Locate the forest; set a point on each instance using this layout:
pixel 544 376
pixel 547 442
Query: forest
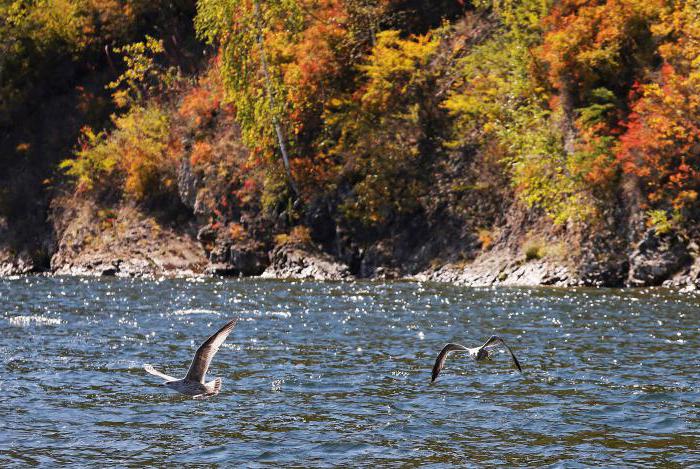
pixel 393 135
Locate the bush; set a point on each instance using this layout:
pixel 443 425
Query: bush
pixel 136 157
pixel 533 250
pixel 299 235
pixel 486 238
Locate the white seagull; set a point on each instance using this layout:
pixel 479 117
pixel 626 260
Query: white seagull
pixel 193 383
pixel 477 353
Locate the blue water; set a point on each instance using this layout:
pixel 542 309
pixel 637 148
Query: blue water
pixel 320 374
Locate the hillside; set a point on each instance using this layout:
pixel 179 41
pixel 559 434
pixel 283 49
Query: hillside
pixel 480 143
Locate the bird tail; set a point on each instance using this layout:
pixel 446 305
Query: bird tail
pixel 217 386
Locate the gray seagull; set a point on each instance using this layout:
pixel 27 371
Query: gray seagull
pixel 477 353
pixel 193 384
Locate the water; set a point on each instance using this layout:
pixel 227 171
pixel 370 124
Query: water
pixel 338 374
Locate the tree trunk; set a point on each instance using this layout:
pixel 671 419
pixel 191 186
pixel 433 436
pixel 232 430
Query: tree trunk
pixel 271 98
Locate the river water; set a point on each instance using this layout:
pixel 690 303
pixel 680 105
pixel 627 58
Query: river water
pixel 321 374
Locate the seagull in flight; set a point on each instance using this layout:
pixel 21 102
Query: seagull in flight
pixel 477 353
pixel 193 384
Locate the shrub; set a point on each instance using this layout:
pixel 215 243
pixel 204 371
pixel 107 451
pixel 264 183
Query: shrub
pixel 136 157
pixel 660 221
pixel 533 250
pixel 299 235
pixel 486 238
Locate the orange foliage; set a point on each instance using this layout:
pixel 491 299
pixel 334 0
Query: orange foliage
pixel 662 141
pixel 202 102
pixel 587 39
pixel 201 153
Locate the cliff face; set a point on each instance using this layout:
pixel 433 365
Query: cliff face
pixel 442 142
pixel 445 243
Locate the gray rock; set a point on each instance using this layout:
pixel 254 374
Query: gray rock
pixel 187 183
pixel 17 266
pixel 500 268
pixel 657 258
pixel 239 261
pixel 304 262
pixel 207 234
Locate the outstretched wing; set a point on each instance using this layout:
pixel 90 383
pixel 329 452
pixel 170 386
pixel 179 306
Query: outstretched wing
pixel 442 356
pixel 205 353
pixel 157 373
pixel 494 342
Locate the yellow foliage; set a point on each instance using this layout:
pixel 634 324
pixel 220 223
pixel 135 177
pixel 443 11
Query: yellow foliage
pixel 137 156
pixel 299 235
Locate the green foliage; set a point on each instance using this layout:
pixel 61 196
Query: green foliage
pixel 235 26
pixel 498 102
pixel 603 104
pixel 534 250
pixel 34 36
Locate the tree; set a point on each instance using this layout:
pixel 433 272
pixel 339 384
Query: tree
pixel 241 29
pixel 661 144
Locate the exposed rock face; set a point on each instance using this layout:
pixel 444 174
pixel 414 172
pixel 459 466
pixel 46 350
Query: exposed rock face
pixel 657 258
pixel 304 262
pixel 240 259
pixel 15 265
pixel 122 242
pixel 604 261
pixel 498 268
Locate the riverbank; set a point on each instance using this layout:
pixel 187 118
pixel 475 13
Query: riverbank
pixel 128 243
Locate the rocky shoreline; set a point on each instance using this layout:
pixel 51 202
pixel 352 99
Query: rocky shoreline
pixel 664 265
pixel 126 241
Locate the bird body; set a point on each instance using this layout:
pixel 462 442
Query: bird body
pixel 194 383
pixel 484 352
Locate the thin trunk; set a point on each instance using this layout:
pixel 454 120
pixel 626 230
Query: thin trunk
pixel 568 114
pixel 271 97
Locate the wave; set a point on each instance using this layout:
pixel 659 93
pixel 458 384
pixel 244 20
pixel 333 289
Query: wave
pixel 24 321
pixel 184 312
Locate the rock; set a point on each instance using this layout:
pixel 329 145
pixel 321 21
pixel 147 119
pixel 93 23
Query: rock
pixel 304 262
pixel 221 269
pixel 220 253
pixel 132 244
pixel 241 261
pixel 248 261
pixel 188 183
pixel 377 255
pixel 16 266
pixel 657 258
pixel 207 234
pixel 109 271
pixel 499 268
pixel 605 273
pixel 386 273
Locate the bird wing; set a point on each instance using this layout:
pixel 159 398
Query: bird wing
pixel 442 356
pixel 157 373
pixel 205 353
pixel 494 341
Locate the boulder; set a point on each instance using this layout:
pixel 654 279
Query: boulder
pixel 657 258
pixel 304 262
pixel 242 260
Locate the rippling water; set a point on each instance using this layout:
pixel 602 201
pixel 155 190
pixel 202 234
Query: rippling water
pixel 319 374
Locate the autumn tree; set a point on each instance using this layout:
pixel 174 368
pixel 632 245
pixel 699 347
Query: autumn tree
pixel 661 144
pixel 381 131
